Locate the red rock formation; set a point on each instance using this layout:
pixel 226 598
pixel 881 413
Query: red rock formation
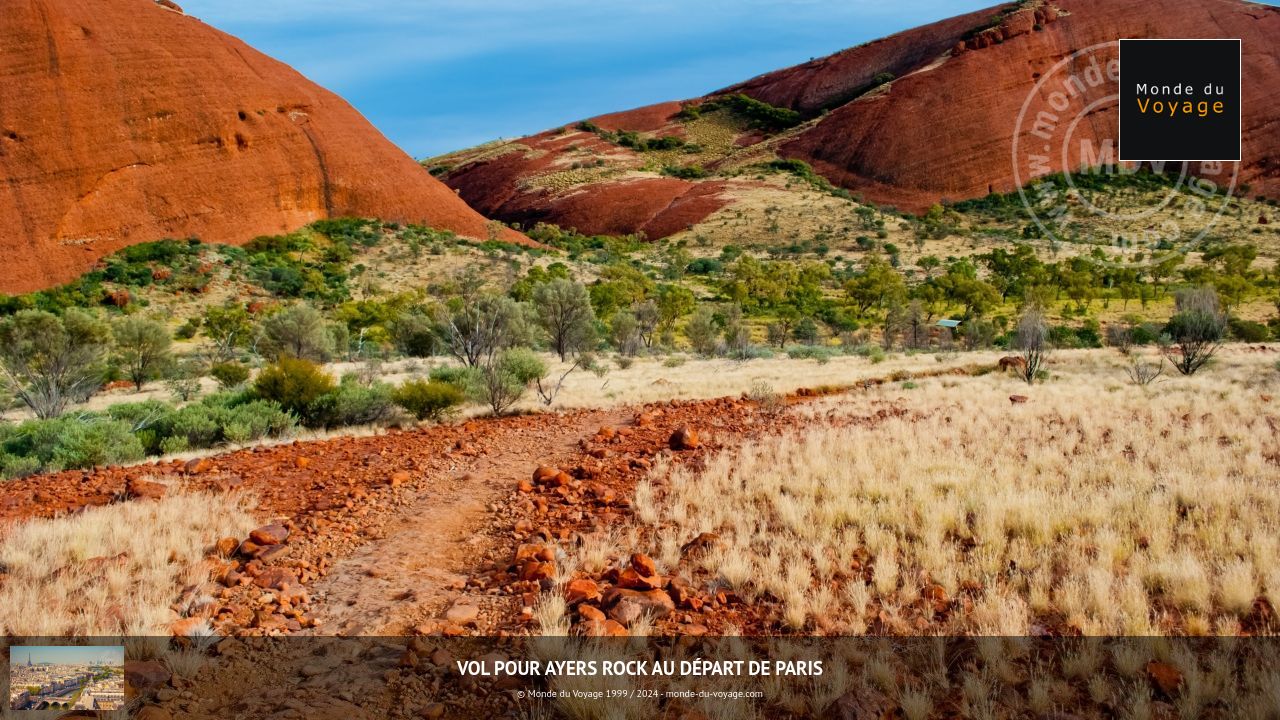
pixel 644 119
pixel 942 129
pixel 123 121
pixel 947 131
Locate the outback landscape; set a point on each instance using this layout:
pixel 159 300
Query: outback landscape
pixel 792 362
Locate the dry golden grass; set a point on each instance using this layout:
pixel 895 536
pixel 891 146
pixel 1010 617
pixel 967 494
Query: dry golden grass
pixel 82 575
pixel 1098 505
pixel 655 379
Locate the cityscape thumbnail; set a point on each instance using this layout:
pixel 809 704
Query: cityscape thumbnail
pixel 80 677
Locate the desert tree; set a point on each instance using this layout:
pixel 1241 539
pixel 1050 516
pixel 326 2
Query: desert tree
pixel 228 328
pixel 1120 337
pixel 1143 373
pixel 1032 338
pixel 504 379
pixel 47 361
pixel 702 331
pixel 564 313
pixel 1195 331
pixel 299 331
pixel 781 329
pixel 624 333
pixel 737 336
pixel 143 348
pixel 647 321
pixel 479 329
pixel 674 302
pixel 548 388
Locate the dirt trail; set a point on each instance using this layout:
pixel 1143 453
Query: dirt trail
pixel 420 563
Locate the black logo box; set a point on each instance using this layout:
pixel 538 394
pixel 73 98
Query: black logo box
pixel 1180 62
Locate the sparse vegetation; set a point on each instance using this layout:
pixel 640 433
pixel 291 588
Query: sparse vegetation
pixel 428 399
pixel 49 362
pixel 1176 537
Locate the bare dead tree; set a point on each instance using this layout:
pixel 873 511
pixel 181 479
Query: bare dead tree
pixel 1033 341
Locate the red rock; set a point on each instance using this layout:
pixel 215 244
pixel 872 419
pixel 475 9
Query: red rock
pixel 302 463
pixel 103 145
pixel 1018 399
pixel 150 712
pixel 644 565
pixel 679 591
pixel 633 580
pixel 271 553
pixel 531 551
pixel 655 602
pixel 272 534
pixel 400 478
pixel 703 542
pixel 684 438
pixel 226 546
pixel 581 590
pixel 1165 676
pixel 186 626
pixel 463 614
pixel 144 490
pixel 524 486
pixel 602 493
pixel 145 676
pixel 603 628
pixel 534 570
pixel 983 83
pixel 545 474
pixel 590 613
pixel 276 578
pixel 196 466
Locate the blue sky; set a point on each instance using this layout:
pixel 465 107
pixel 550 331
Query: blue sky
pixel 439 75
pixel 64 655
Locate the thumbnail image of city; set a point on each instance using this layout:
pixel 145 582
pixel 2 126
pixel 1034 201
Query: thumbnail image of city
pixel 81 677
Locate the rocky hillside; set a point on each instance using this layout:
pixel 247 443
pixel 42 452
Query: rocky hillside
pixel 124 121
pixel 922 116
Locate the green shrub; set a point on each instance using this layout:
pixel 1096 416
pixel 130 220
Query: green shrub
pixel 428 399
pixel 874 353
pixel 705 266
pixel 188 329
pixel 1249 331
pixel 18 466
pixel 812 352
pixel 216 420
pixel 69 442
pixel 761 115
pixel 223 417
pixel 1145 333
pixel 353 403
pixel 229 374
pixel 198 425
pixel 172 445
pixel 685 172
pixel 463 378
pixel 294 384
pixel 501 384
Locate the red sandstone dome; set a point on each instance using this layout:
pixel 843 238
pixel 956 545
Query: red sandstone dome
pixel 943 128
pixel 123 121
